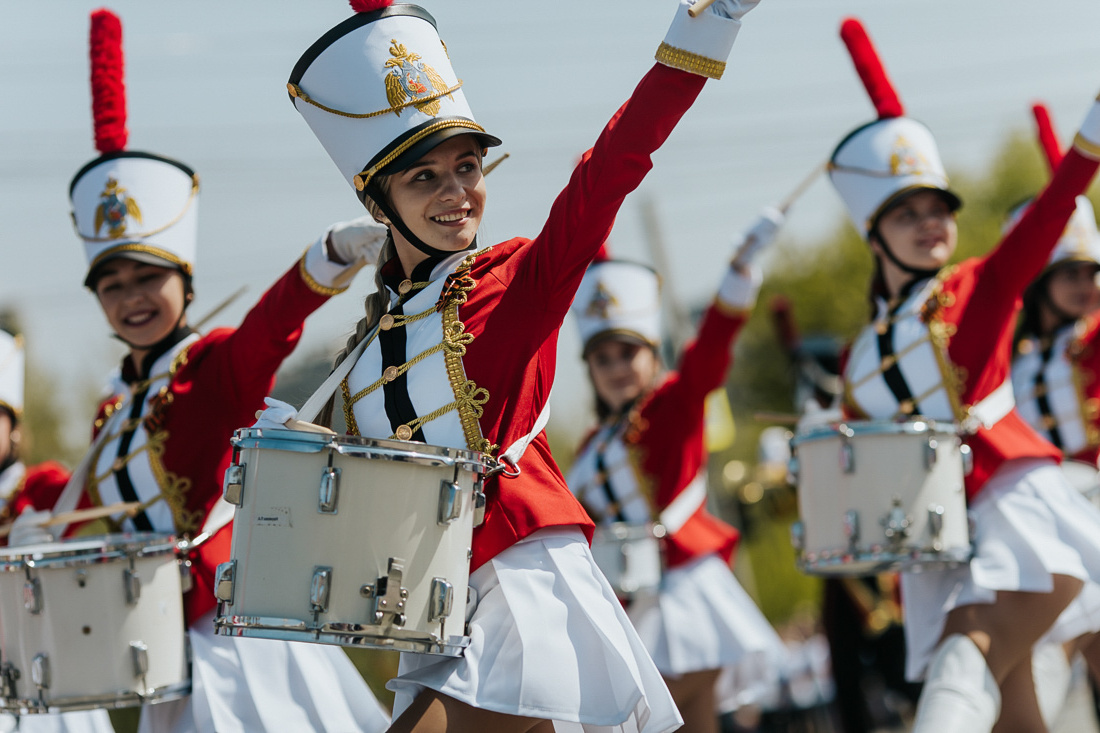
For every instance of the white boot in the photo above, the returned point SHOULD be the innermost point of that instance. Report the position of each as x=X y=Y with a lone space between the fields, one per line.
x=960 y=694
x=1052 y=675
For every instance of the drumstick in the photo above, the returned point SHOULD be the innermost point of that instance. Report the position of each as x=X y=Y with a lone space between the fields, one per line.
x=129 y=508
x=699 y=7
x=489 y=168
x=801 y=188
x=220 y=307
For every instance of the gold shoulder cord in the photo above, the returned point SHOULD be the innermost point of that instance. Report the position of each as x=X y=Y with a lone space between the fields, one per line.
x=954 y=377
x=173 y=488
x=470 y=399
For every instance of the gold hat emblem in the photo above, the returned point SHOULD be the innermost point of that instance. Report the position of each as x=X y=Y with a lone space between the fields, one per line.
x=114 y=206
x=411 y=78
x=602 y=302
x=906 y=160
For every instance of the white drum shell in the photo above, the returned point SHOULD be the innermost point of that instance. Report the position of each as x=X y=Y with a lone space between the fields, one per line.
x=629 y=555
x=386 y=507
x=869 y=471
x=86 y=626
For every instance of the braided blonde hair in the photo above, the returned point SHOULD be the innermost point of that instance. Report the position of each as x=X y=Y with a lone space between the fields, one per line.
x=375 y=305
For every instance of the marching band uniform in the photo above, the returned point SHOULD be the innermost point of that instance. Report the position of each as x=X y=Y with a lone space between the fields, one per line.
x=929 y=354
x=648 y=465
x=162 y=438
x=1056 y=377
x=15 y=479
x=465 y=357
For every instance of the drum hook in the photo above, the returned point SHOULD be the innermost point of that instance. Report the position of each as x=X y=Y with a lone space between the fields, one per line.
x=502 y=468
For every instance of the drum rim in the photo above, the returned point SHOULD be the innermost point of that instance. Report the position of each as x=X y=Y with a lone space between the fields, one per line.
x=354 y=446
x=339 y=634
x=122 y=699
x=852 y=428
x=88 y=550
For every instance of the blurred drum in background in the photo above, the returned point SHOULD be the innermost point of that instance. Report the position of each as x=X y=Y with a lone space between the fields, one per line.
x=877 y=496
x=92 y=622
x=630 y=556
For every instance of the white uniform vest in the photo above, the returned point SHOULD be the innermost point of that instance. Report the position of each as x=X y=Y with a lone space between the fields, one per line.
x=1058 y=381
x=142 y=460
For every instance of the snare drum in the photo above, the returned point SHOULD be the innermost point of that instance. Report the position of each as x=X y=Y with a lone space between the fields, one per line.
x=351 y=541
x=629 y=556
x=92 y=622
x=877 y=496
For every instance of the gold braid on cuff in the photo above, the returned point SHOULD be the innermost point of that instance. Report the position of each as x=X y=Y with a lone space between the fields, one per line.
x=1087 y=147
x=690 y=62
x=312 y=283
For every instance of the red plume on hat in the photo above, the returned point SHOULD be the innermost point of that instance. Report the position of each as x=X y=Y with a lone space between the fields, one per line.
x=870 y=69
x=366 y=6
x=1048 y=138
x=108 y=89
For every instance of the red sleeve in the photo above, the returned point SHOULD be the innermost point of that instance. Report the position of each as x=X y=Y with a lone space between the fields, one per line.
x=41 y=488
x=583 y=213
x=703 y=365
x=270 y=331
x=1025 y=249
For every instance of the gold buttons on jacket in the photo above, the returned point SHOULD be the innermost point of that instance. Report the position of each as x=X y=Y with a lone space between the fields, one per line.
x=404 y=433
x=385 y=322
x=404 y=287
x=389 y=374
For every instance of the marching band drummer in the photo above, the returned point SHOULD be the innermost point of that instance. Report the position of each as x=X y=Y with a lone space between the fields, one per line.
x=1057 y=351
x=938 y=347
x=16 y=478
x=464 y=356
x=646 y=462
x=163 y=436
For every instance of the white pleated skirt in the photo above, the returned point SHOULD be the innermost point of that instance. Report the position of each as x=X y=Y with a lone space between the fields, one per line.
x=548 y=639
x=84 y=721
x=701 y=618
x=241 y=685
x=1029 y=524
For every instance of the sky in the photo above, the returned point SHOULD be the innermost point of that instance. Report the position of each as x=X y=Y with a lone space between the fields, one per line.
x=206 y=85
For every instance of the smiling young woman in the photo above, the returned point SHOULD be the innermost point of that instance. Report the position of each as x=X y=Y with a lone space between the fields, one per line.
x=464 y=356
x=938 y=348
x=163 y=433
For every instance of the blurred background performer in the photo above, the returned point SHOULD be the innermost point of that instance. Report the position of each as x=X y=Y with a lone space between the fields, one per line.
x=928 y=353
x=15 y=479
x=549 y=640
x=861 y=615
x=163 y=434
x=1056 y=362
x=645 y=464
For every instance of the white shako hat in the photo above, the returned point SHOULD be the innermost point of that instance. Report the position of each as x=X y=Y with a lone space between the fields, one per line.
x=881 y=162
x=1080 y=242
x=127 y=203
x=12 y=367
x=379 y=92
x=618 y=299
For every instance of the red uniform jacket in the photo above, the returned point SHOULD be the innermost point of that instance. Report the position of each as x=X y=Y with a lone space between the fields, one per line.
x=976 y=304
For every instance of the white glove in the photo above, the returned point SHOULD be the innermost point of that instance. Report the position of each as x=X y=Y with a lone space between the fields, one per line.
x=701 y=45
x=740 y=286
x=732 y=9
x=282 y=416
x=758 y=236
x=814 y=416
x=358 y=240
x=28 y=530
x=277 y=415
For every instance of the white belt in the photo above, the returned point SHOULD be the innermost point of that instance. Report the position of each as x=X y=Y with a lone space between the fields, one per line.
x=991 y=409
x=686 y=503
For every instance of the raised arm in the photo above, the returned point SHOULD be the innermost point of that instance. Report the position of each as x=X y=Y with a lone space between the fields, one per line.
x=1025 y=249
x=693 y=50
